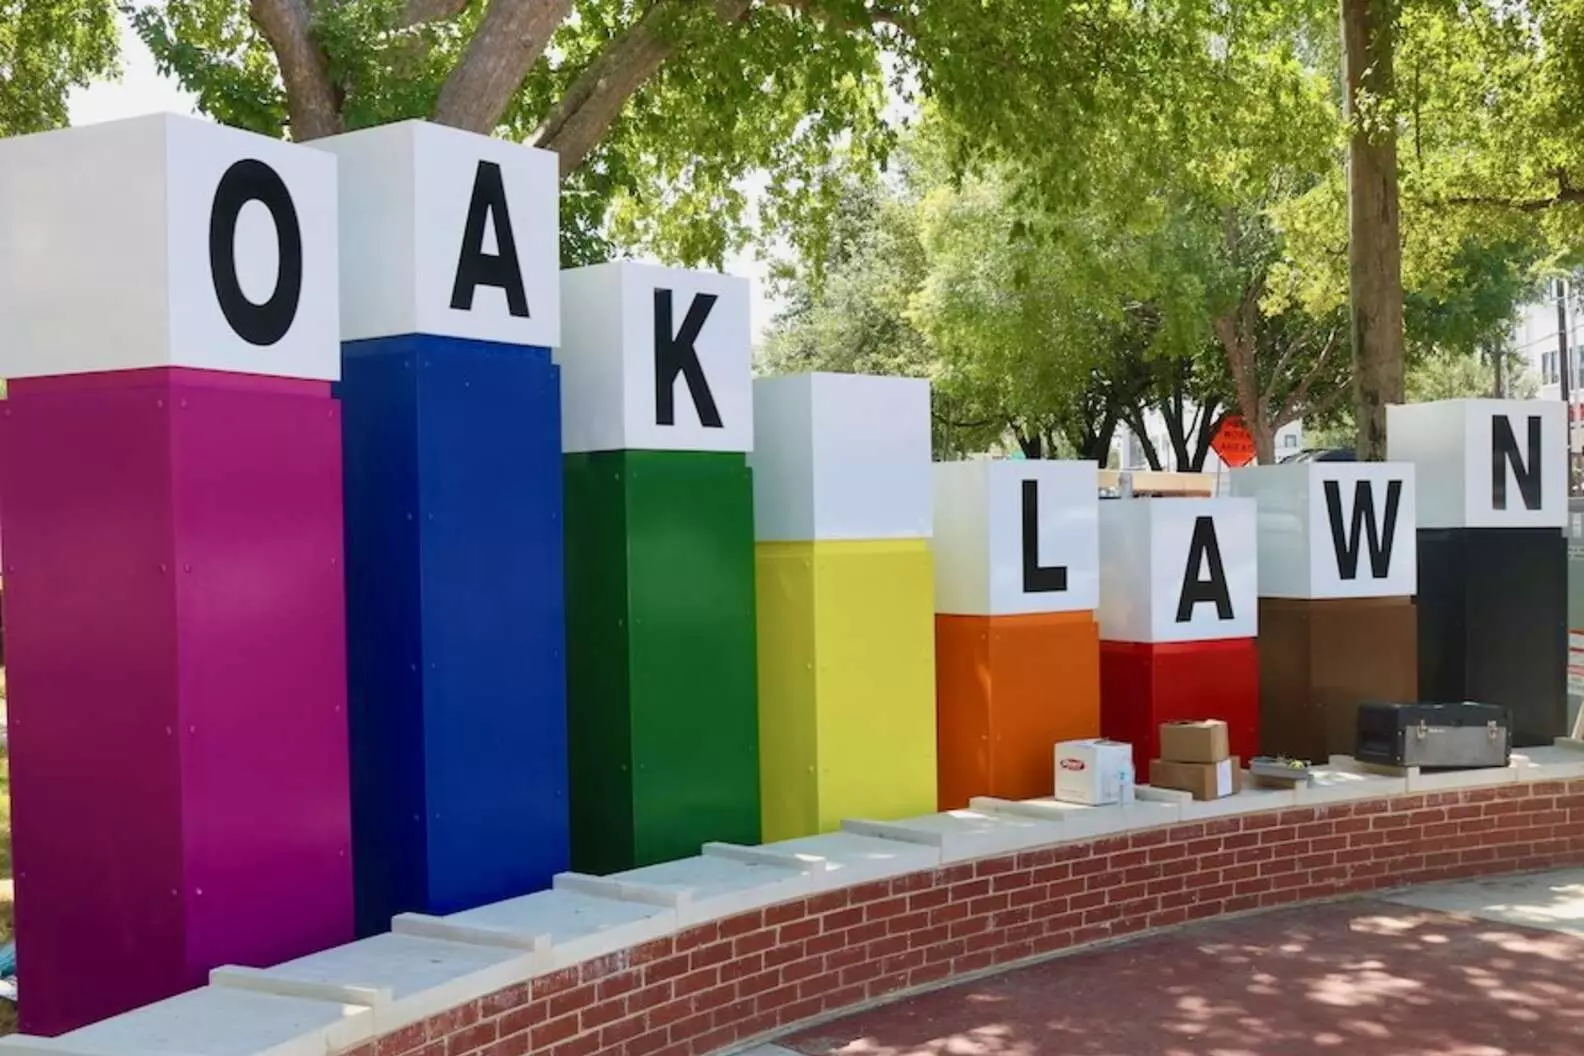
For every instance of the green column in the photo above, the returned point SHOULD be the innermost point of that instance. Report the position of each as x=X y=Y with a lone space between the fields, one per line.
x=662 y=717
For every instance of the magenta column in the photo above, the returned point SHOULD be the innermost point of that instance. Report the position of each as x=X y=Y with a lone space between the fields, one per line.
x=170 y=482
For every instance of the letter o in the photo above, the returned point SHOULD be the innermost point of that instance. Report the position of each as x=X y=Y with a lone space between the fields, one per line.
x=253 y=181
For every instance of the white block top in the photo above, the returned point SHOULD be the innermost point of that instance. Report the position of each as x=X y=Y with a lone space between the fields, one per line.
x=654 y=359
x=1484 y=463
x=167 y=241
x=1178 y=570
x=1016 y=536
x=841 y=456
x=1334 y=529
x=447 y=232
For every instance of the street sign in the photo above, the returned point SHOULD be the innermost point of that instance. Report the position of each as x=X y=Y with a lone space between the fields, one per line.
x=1233 y=443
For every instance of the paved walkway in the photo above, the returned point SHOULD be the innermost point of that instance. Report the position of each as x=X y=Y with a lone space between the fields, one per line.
x=1489 y=968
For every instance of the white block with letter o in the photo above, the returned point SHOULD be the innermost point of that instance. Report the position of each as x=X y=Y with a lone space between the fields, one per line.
x=1177 y=570
x=1334 y=529
x=1016 y=537
x=654 y=358
x=1484 y=463
x=447 y=232
x=166 y=241
x=841 y=456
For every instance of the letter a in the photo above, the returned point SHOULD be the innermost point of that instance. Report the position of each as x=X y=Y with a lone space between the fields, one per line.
x=1204 y=550
x=1346 y=545
x=1037 y=578
x=476 y=268
x=675 y=354
x=1504 y=453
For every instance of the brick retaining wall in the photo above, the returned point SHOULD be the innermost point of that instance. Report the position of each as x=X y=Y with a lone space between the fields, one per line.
x=714 y=986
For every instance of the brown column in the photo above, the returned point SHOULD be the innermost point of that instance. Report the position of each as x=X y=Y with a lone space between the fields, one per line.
x=1320 y=659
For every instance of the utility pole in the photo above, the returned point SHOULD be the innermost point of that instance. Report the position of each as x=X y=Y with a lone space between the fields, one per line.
x=1565 y=373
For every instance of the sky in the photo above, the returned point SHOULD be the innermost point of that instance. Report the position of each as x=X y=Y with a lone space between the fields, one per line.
x=142 y=90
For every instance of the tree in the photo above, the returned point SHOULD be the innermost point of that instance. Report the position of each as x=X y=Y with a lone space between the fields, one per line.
x=657 y=109
x=1375 y=302
x=47 y=48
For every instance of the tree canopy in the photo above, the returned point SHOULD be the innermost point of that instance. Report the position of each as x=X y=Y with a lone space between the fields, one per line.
x=47 y=48
x=1161 y=185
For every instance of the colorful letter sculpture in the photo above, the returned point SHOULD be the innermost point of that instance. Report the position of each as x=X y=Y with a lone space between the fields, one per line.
x=1337 y=625
x=841 y=468
x=1017 y=645
x=1492 y=555
x=170 y=469
x=657 y=417
x=1178 y=619
x=455 y=601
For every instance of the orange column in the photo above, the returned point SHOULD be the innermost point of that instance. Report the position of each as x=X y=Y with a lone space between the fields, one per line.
x=1017 y=640
x=1009 y=688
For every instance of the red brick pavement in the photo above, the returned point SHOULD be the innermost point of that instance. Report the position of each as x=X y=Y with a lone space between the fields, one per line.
x=1358 y=978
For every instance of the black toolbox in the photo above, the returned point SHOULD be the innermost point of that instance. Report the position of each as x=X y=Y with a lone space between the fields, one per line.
x=1433 y=736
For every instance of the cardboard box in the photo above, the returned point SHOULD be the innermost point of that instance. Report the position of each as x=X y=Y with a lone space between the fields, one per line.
x=1204 y=780
x=1204 y=741
x=1094 y=771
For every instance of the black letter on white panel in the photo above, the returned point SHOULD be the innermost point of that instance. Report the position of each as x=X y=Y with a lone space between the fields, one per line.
x=1204 y=550
x=674 y=354
x=476 y=268
x=247 y=181
x=1346 y=542
x=1037 y=578
x=1504 y=453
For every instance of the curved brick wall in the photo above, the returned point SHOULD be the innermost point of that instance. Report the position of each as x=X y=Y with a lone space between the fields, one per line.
x=720 y=984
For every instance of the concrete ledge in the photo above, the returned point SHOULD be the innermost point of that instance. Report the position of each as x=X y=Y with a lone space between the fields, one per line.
x=404 y=978
x=962 y=835
x=1563 y=761
x=573 y=925
x=699 y=889
x=268 y=981
x=1079 y=822
x=215 y=1021
x=650 y=962
x=852 y=858
x=1336 y=785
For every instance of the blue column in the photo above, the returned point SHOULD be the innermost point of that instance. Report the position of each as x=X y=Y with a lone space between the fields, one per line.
x=455 y=595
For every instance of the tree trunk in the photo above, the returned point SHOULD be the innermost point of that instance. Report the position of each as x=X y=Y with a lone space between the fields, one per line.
x=1374 y=245
x=1135 y=423
x=1264 y=435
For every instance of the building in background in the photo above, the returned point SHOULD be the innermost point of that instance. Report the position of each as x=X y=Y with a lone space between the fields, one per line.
x=1535 y=339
